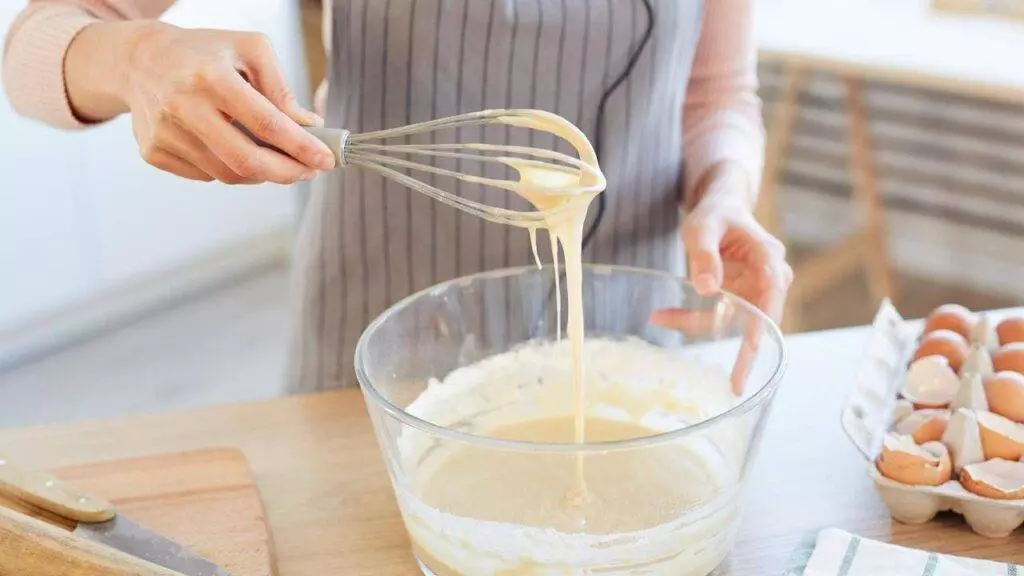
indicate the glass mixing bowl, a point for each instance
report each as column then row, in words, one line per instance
column 469, row 390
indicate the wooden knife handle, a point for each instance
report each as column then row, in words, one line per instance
column 53, row 495
column 32, row 547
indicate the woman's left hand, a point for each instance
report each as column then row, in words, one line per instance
column 729, row 250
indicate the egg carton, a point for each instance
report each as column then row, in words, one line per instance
column 868, row 415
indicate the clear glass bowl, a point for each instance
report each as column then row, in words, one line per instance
column 469, row 391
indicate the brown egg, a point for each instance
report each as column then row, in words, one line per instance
column 1010, row 330
column 904, row 461
column 952, row 317
column 998, row 478
column 924, row 425
column 1009, row 358
column 1000, row 436
column 945, row 343
column 1005, row 394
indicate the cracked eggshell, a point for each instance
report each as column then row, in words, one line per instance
column 1009, row 358
column 1000, row 437
column 978, row 361
column 996, row 478
column 963, row 438
column 1010, row 330
column 1005, row 394
column 930, row 382
column 944, row 343
column 923, row 425
column 902, row 460
column 952, row 317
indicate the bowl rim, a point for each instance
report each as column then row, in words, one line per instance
column 756, row 399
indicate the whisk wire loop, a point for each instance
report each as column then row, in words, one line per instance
column 389, row 161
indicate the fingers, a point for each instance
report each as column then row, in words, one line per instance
column 265, row 73
column 239, row 100
column 168, row 162
column 747, row 354
column 187, row 146
column 705, row 324
column 776, row 276
column 764, row 260
column 702, row 238
column 189, row 100
column 238, row 152
column 690, row 322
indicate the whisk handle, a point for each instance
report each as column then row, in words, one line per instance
column 335, row 139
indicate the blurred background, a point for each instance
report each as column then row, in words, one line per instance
column 895, row 169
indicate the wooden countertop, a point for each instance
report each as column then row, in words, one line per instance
column 332, row 510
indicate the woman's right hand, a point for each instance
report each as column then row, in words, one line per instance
column 183, row 88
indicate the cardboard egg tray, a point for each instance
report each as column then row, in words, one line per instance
column 868, row 415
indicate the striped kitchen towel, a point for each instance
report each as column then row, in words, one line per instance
column 837, row 553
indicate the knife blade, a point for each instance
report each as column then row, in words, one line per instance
column 98, row 521
column 127, row 536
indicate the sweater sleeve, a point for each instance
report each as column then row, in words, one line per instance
column 37, row 42
column 722, row 119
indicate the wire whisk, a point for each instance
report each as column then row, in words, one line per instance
column 565, row 176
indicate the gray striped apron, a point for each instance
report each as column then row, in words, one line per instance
column 364, row 243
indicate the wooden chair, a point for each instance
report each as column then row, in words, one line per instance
column 867, row 247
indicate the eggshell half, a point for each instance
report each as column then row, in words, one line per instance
column 997, row 478
column 952, row 317
column 930, row 382
column 963, row 437
column 1005, row 394
column 945, row 343
column 924, row 425
column 904, row 461
column 1000, row 437
column 1010, row 330
column 1009, row 357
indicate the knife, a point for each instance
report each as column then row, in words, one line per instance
column 102, row 541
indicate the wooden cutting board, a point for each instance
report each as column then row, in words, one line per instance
column 205, row 500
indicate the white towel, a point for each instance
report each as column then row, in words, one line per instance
column 838, row 553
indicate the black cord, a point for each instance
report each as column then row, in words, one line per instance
column 599, row 130
column 599, row 139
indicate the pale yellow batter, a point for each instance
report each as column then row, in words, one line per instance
column 669, row 508
column 474, row 510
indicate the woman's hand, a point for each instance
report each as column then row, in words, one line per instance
column 183, row 87
column 729, row 250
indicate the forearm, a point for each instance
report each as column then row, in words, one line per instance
column 96, row 68
column 727, row 181
column 727, row 147
column 723, row 131
column 36, row 52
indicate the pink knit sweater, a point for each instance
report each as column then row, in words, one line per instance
column 722, row 118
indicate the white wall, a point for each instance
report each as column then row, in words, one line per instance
column 81, row 214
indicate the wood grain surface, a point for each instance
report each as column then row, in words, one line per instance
column 332, row 511
column 205, row 500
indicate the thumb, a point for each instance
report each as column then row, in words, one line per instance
column 264, row 72
column 702, row 239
